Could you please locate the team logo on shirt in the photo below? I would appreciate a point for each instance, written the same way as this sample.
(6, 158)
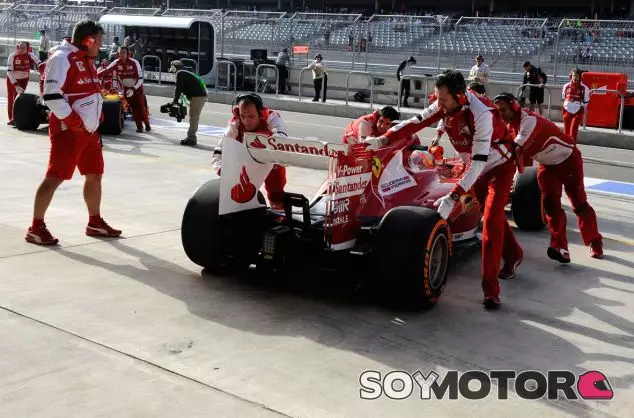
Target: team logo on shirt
(18, 62)
(80, 65)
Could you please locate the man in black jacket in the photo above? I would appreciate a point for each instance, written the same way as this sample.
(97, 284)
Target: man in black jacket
(535, 75)
(194, 88)
(405, 69)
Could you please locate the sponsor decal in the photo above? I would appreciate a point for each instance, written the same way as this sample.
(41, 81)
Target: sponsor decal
(288, 145)
(395, 178)
(376, 167)
(119, 68)
(17, 62)
(350, 185)
(80, 65)
(256, 143)
(244, 191)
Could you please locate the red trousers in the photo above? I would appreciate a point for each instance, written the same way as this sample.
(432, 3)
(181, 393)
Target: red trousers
(12, 94)
(572, 122)
(138, 107)
(275, 182)
(568, 174)
(498, 241)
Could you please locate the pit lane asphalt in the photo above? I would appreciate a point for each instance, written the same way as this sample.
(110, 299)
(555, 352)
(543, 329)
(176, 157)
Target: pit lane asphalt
(131, 327)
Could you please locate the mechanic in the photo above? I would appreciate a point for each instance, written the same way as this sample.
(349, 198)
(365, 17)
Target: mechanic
(18, 69)
(41, 68)
(560, 165)
(106, 80)
(576, 97)
(374, 124)
(250, 115)
(479, 135)
(129, 72)
(73, 95)
(194, 88)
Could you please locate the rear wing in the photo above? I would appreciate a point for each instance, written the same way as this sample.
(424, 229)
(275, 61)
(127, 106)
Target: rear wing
(246, 164)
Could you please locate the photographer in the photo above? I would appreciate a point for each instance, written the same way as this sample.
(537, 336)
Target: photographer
(194, 88)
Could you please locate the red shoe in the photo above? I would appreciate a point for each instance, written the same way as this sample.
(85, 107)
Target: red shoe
(596, 249)
(508, 270)
(40, 235)
(558, 254)
(101, 229)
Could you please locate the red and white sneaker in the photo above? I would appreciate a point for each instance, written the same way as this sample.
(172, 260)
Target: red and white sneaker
(40, 235)
(507, 272)
(558, 254)
(596, 249)
(101, 229)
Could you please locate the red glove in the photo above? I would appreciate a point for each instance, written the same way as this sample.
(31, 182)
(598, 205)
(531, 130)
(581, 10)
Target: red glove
(74, 122)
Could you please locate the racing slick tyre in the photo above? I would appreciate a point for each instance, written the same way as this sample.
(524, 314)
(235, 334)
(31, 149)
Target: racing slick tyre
(411, 258)
(26, 112)
(526, 201)
(113, 118)
(221, 244)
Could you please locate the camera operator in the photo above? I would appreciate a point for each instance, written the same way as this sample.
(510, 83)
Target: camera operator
(250, 115)
(194, 88)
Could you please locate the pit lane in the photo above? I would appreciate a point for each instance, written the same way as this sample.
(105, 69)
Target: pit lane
(130, 327)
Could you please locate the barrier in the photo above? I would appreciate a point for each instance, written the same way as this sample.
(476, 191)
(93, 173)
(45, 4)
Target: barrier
(519, 89)
(371, 83)
(184, 60)
(257, 78)
(585, 114)
(299, 88)
(411, 77)
(235, 75)
(156, 57)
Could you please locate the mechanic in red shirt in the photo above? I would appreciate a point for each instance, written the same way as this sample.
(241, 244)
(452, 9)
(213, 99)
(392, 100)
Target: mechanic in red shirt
(479, 135)
(250, 115)
(576, 97)
(73, 94)
(375, 124)
(129, 71)
(106, 80)
(560, 164)
(18, 69)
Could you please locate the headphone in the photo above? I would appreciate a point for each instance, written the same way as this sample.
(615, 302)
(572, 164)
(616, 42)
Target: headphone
(510, 99)
(259, 105)
(88, 42)
(461, 98)
(28, 44)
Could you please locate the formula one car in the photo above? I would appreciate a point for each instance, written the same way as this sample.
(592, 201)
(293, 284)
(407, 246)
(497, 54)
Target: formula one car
(374, 210)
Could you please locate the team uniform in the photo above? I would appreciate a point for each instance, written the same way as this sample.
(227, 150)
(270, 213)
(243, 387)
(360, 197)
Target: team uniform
(271, 123)
(364, 127)
(130, 74)
(73, 94)
(18, 70)
(576, 97)
(106, 80)
(560, 165)
(479, 135)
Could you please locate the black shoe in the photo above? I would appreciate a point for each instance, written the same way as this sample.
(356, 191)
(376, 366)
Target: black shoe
(148, 128)
(491, 303)
(323, 101)
(315, 100)
(189, 141)
(558, 254)
(139, 130)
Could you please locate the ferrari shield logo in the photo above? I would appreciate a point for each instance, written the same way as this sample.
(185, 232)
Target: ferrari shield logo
(376, 167)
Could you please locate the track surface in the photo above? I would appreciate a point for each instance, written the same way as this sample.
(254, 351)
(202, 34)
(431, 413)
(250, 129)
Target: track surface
(130, 327)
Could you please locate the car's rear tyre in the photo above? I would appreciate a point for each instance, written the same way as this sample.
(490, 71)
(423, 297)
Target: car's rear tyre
(113, 118)
(526, 201)
(411, 258)
(221, 244)
(26, 112)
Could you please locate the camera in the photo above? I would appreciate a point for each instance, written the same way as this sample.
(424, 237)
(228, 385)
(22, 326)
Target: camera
(177, 111)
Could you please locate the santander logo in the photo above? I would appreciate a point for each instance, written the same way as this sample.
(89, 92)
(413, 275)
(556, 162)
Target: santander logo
(244, 190)
(291, 145)
(256, 143)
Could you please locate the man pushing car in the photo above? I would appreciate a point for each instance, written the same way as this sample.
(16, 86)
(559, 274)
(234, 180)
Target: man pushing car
(479, 135)
(560, 165)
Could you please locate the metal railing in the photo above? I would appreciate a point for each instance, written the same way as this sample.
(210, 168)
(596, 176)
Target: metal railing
(519, 90)
(184, 60)
(156, 57)
(277, 77)
(411, 77)
(299, 87)
(585, 114)
(229, 64)
(367, 74)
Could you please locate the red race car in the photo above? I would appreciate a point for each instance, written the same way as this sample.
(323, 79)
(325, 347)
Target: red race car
(375, 209)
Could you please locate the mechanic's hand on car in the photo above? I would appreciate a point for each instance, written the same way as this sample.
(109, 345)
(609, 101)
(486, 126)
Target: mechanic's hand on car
(129, 93)
(19, 89)
(375, 142)
(435, 141)
(445, 204)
